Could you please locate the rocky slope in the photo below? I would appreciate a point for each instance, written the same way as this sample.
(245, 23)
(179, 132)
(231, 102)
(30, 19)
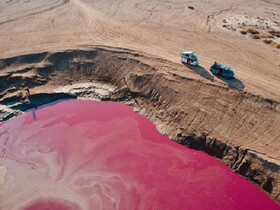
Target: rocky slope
(240, 129)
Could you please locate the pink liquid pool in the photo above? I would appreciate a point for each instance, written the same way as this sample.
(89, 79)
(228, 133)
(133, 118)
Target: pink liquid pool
(102, 155)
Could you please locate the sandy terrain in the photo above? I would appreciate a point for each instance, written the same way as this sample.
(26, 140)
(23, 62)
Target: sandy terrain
(135, 46)
(162, 28)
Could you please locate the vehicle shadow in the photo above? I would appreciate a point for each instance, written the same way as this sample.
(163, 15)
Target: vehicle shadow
(232, 82)
(201, 71)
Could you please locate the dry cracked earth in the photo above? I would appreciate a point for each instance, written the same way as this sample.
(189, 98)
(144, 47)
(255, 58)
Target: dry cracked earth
(129, 51)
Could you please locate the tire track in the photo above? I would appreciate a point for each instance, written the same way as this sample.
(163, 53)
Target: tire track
(167, 5)
(93, 27)
(269, 2)
(61, 3)
(117, 9)
(9, 4)
(100, 26)
(213, 15)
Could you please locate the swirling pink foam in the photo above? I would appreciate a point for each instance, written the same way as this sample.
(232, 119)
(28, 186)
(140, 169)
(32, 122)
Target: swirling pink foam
(102, 155)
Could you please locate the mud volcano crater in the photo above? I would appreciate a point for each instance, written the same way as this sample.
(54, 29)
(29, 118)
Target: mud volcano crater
(239, 128)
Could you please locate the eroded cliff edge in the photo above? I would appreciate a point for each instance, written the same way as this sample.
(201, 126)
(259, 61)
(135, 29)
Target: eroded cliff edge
(240, 129)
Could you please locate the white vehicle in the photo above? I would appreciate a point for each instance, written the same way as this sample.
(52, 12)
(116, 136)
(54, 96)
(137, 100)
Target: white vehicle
(189, 58)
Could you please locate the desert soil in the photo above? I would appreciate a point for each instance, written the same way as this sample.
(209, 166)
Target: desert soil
(241, 34)
(161, 28)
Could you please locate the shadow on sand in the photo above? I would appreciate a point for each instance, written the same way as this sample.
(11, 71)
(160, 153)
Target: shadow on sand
(232, 83)
(201, 71)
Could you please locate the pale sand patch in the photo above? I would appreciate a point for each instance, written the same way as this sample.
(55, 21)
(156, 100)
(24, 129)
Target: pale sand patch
(3, 172)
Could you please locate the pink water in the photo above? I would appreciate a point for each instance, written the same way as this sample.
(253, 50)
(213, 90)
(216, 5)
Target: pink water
(97, 155)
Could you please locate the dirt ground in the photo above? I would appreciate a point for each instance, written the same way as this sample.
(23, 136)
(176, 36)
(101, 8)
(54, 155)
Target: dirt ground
(135, 46)
(160, 28)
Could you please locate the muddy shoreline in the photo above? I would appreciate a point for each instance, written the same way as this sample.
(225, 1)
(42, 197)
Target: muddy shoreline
(240, 129)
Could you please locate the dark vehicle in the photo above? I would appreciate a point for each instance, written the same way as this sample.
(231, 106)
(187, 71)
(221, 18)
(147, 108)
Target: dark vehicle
(221, 70)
